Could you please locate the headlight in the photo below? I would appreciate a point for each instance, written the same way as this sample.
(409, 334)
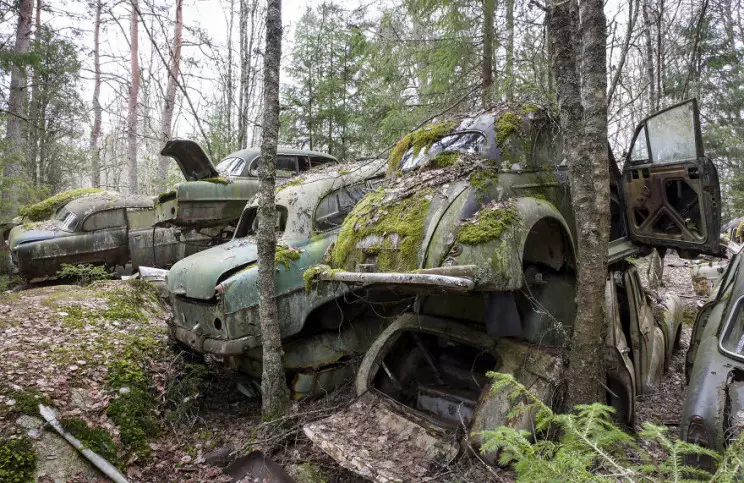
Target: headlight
(697, 434)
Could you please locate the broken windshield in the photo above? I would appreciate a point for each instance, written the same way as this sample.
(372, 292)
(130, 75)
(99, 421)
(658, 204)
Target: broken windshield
(231, 166)
(66, 220)
(470, 142)
(248, 223)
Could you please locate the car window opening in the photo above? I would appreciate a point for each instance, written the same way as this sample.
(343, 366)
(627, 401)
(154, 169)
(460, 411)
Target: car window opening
(231, 166)
(248, 223)
(437, 376)
(66, 220)
(464, 142)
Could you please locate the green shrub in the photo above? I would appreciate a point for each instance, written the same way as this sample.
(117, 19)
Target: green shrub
(83, 274)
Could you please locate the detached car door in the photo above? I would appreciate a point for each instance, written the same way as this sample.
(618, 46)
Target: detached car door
(671, 189)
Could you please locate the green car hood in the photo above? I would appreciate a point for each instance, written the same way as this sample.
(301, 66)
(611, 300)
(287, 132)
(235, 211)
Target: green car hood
(197, 276)
(19, 236)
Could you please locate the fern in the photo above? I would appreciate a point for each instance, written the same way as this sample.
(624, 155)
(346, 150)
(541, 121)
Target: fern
(587, 446)
(731, 466)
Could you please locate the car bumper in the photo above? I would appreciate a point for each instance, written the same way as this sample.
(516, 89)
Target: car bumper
(205, 328)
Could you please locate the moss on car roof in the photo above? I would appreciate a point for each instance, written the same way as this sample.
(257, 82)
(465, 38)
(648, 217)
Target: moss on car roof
(46, 208)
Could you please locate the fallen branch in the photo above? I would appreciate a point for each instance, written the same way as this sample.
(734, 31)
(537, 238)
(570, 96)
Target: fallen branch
(99, 462)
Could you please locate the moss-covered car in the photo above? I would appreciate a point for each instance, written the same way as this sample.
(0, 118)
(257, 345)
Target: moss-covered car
(100, 228)
(713, 413)
(475, 222)
(212, 198)
(215, 298)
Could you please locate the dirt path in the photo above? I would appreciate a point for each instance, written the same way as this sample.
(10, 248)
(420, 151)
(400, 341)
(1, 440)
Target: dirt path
(664, 406)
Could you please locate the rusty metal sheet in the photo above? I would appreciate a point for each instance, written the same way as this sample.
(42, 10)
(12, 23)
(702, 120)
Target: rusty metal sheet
(372, 439)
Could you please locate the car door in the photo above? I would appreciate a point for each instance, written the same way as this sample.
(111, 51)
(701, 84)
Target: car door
(104, 238)
(670, 188)
(647, 339)
(620, 370)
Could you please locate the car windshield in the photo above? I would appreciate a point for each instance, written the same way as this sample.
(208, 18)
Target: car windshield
(465, 142)
(248, 223)
(231, 166)
(66, 220)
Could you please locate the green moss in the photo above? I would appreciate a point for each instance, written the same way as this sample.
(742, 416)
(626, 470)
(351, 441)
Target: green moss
(444, 159)
(132, 408)
(419, 139)
(44, 210)
(26, 402)
(688, 316)
(488, 224)
(218, 180)
(96, 439)
(166, 196)
(77, 316)
(309, 473)
(343, 171)
(293, 182)
(482, 179)
(506, 125)
(122, 306)
(370, 216)
(17, 459)
(310, 274)
(285, 255)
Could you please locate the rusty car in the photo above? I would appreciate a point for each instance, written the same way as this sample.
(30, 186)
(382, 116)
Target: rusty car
(214, 292)
(101, 228)
(475, 221)
(213, 197)
(713, 412)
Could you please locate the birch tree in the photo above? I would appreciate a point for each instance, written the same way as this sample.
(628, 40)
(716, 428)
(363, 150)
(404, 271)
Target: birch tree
(274, 388)
(95, 132)
(133, 97)
(174, 70)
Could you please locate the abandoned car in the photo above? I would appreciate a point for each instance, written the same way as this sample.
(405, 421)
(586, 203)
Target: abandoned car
(713, 413)
(212, 198)
(102, 228)
(214, 293)
(475, 221)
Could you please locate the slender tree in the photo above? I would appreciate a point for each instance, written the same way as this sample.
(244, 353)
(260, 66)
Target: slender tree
(273, 383)
(174, 70)
(133, 97)
(489, 7)
(95, 132)
(509, 67)
(650, 77)
(581, 80)
(16, 107)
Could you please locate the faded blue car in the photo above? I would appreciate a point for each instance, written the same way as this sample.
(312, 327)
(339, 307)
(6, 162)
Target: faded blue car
(214, 292)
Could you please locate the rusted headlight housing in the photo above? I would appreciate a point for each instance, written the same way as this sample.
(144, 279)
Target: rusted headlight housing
(697, 434)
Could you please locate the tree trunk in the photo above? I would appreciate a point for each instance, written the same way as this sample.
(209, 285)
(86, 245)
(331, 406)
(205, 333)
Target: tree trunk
(632, 16)
(16, 110)
(274, 388)
(489, 7)
(509, 67)
(133, 96)
(650, 77)
(229, 83)
(590, 190)
(583, 118)
(95, 133)
(32, 143)
(244, 60)
(174, 70)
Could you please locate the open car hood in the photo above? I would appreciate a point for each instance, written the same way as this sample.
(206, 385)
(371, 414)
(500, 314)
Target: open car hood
(374, 440)
(191, 158)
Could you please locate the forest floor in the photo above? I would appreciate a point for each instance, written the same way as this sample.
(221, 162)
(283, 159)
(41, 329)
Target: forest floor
(66, 346)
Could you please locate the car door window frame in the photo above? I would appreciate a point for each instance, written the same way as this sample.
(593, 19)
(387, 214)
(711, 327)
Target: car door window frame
(120, 211)
(354, 194)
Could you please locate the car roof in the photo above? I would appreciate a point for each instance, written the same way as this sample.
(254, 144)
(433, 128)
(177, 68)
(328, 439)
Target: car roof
(106, 201)
(251, 153)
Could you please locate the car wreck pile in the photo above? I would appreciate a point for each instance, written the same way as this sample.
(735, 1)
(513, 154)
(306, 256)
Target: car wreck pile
(416, 275)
